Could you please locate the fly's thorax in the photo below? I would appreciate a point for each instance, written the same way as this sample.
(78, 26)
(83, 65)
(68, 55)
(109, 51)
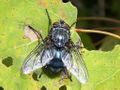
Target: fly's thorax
(60, 33)
(58, 52)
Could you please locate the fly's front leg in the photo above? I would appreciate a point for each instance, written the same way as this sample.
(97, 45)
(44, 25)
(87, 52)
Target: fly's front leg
(33, 34)
(49, 20)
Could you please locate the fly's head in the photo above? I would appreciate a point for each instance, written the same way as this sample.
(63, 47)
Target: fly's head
(60, 33)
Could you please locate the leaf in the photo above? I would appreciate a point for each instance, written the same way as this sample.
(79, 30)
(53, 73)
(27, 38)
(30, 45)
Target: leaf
(104, 69)
(109, 41)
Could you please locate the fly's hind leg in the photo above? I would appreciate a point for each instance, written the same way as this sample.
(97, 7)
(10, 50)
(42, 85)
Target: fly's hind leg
(65, 75)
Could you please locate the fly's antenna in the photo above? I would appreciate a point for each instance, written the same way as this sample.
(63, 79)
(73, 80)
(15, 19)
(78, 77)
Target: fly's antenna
(49, 20)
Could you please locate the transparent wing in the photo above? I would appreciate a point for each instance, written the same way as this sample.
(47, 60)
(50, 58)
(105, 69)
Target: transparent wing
(37, 59)
(75, 64)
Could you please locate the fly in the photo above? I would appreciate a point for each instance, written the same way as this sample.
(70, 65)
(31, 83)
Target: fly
(57, 52)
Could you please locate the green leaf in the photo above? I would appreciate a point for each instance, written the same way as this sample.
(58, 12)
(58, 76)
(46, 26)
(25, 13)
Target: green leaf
(103, 68)
(109, 41)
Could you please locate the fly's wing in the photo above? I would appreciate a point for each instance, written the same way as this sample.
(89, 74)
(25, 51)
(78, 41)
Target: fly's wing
(75, 64)
(38, 58)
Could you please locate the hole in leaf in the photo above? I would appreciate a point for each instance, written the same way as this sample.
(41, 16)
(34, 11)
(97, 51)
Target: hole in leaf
(8, 61)
(34, 76)
(63, 87)
(1, 88)
(43, 88)
(65, 1)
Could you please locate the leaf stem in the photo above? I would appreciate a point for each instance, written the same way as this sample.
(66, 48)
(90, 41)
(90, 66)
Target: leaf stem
(98, 31)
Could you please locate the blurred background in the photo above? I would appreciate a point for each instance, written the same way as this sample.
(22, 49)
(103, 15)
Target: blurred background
(101, 15)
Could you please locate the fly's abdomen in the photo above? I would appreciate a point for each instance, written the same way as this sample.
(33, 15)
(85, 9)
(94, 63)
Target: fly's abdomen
(56, 65)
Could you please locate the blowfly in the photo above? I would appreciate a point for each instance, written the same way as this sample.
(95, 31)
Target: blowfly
(58, 53)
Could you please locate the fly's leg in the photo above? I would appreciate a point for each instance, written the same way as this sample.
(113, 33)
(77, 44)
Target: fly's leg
(65, 75)
(49, 20)
(37, 33)
(79, 45)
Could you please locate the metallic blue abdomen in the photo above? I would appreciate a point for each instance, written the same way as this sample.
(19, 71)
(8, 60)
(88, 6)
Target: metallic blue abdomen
(56, 64)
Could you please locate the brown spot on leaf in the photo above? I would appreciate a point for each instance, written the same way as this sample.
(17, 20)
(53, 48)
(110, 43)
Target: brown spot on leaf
(43, 3)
